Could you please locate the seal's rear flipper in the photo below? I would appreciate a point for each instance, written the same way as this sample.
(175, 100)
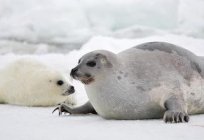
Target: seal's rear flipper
(175, 110)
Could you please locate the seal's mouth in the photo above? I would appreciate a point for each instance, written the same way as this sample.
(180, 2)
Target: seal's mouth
(87, 81)
(84, 79)
(71, 90)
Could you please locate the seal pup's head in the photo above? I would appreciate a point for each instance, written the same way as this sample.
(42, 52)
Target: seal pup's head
(93, 65)
(50, 81)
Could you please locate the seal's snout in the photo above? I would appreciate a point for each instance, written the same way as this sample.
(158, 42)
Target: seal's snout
(71, 89)
(73, 72)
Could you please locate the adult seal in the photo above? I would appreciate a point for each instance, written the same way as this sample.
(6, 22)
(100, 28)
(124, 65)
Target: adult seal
(149, 81)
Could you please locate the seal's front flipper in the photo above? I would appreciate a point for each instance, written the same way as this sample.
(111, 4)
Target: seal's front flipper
(84, 109)
(175, 110)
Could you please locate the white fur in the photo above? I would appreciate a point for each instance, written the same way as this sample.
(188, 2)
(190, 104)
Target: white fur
(28, 82)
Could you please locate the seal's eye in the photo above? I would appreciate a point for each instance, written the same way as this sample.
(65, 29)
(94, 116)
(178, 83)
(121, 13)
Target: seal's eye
(91, 63)
(79, 61)
(60, 82)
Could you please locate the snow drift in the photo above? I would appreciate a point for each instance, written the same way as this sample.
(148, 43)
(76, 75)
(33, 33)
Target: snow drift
(31, 26)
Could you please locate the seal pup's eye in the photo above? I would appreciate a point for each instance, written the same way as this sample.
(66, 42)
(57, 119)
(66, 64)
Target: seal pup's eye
(60, 82)
(91, 63)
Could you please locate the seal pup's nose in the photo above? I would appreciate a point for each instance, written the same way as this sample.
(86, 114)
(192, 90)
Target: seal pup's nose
(71, 89)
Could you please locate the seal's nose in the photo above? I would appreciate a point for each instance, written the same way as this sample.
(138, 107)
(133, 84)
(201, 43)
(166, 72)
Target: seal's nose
(71, 89)
(73, 71)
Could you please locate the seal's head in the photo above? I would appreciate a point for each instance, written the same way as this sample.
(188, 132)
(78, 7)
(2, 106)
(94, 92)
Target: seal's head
(92, 65)
(52, 82)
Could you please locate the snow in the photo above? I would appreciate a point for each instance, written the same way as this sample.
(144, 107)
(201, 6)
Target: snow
(63, 25)
(25, 123)
(191, 18)
(39, 123)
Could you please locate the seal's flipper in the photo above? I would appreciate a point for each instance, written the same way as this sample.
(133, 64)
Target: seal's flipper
(175, 111)
(84, 109)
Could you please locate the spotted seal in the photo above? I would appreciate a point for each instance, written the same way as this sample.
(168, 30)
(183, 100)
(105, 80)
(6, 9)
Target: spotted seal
(149, 81)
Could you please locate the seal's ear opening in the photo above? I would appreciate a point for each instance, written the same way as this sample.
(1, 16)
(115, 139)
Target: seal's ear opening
(104, 60)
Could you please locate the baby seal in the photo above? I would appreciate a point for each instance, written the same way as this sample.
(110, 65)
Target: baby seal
(29, 82)
(149, 81)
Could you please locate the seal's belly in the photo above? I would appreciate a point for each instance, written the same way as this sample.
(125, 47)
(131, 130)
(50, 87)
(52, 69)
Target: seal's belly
(125, 111)
(124, 107)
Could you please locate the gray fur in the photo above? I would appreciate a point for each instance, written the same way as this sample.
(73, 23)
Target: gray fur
(170, 48)
(152, 46)
(148, 81)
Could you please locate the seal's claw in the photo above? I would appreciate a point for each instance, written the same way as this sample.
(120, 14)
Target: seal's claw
(57, 108)
(175, 117)
(63, 108)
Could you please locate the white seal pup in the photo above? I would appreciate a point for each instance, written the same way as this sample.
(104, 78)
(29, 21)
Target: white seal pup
(29, 82)
(149, 81)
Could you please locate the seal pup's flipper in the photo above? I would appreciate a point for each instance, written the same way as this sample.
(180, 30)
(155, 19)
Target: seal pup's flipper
(175, 112)
(84, 109)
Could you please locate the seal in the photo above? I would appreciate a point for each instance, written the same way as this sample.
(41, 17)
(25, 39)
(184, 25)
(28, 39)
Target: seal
(150, 81)
(28, 82)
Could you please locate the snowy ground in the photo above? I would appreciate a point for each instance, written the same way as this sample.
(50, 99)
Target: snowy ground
(24, 123)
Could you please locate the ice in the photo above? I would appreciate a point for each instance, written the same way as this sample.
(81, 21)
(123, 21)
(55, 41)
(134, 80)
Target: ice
(118, 14)
(28, 26)
(24, 123)
(56, 22)
(191, 18)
